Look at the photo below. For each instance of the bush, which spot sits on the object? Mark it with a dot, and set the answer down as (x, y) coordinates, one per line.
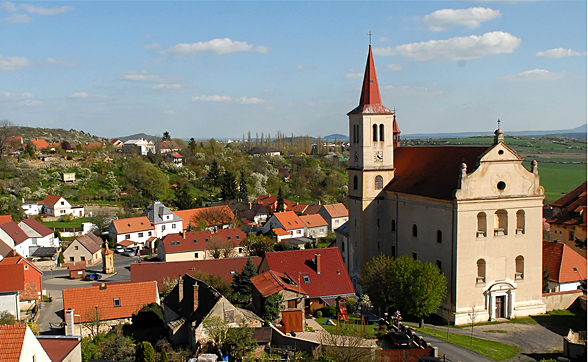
(328, 311)
(318, 314)
(351, 305)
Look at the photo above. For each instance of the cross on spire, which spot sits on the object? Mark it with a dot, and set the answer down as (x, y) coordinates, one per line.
(498, 124)
(370, 34)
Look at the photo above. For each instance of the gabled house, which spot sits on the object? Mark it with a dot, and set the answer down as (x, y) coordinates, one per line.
(109, 302)
(54, 205)
(175, 158)
(40, 144)
(334, 214)
(39, 234)
(212, 217)
(264, 151)
(163, 219)
(32, 207)
(199, 245)
(139, 146)
(190, 302)
(13, 238)
(85, 248)
(62, 348)
(19, 344)
(11, 285)
(568, 224)
(316, 226)
(33, 281)
(117, 143)
(136, 229)
(566, 268)
(286, 220)
(320, 272)
(168, 146)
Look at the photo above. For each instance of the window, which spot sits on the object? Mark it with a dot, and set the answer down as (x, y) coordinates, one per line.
(393, 251)
(173, 226)
(240, 250)
(439, 238)
(571, 235)
(500, 223)
(306, 279)
(342, 246)
(76, 247)
(355, 182)
(337, 221)
(481, 230)
(162, 227)
(140, 235)
(62, 203)
(228, 238)
(439, 264)
(128, 236)
(481, 277)
(195, 255)
(195, 241)
(393, 225)
(414, 256)
(206, 239)
(520, 222)
(520, 267)
(178, 242)
(375, 132)
(379, 182)
(83, 258)
(378, 222)
(381, 132)
(27, 267)
(414, 231)
(71, 258)
(149, 233)
(117, 302)
(237, 237)
(167, 217)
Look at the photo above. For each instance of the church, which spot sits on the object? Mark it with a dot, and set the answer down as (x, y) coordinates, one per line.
(475, 212)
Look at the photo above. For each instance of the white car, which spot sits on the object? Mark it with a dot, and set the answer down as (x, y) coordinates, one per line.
(119, 249)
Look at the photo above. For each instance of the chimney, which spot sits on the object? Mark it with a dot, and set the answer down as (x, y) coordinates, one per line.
(195, 296)
(180, 289)
(69, 322)
(317, 261)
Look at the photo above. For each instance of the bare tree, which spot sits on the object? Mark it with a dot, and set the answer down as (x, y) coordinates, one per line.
(92, 321)
(6, 131)
(348, 345)
(213, 216)
(473, 315)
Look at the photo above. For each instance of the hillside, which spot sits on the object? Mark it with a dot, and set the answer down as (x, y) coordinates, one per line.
(54, 134)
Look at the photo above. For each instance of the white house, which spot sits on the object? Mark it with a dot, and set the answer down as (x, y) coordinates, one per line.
(54, 205)
(32, 208)
(163, 219)
(22, 344)
(139, 146)
(13, 238)
(288, 221)
(137, 229)
(39, 234)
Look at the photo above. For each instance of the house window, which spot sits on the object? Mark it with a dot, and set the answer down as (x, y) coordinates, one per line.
(306, 279)
(393, 251)
(149, 233)
(520, 222)
(62, 203)
(379, 182)
(26, 267)
(414, 231)
(76, 247)
(439, 238)
(83, 258)
(173, 226)
(167, 217)
(195, 255)
(414, 256)
(140, 235)
(481, 277)
(520, 267)
(237, 237)
(240, 250)
(393, 225)
(162, 227)
(71, 258)
(571, 235)
(206, 239)
(355, 182)
(173, 243)
(375, 132)
(381, 132)
(117, 302)
(128, 236)
(178, 242)
(500, 223)
(195, 241)
(481, 230)
(439, 264)
(228, 238)
(342, 246)
(378, 222)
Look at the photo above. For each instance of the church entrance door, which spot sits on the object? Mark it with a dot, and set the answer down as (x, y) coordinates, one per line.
(500, 304)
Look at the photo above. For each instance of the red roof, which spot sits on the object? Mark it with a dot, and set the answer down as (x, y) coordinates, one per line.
(38, 227)
(13, 257)
(131, 298)
(51, 200)
(370, 101)
(16, 233)
(573, 208)
(39, 143)
(289, 220)
(564, 264)
(5, 218)
(58, 347)
(313, 220)
(271, 282)
(160, 271)
(176, 155)
(199, 240)
(281, 232)
(214, 215)
(336, 210)
(91, 242)
(12, 338)
(333, 279)
(11, 278)
(132, 225)
(431, 171)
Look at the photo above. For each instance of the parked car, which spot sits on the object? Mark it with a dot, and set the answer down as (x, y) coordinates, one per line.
(399, 340)
(119, 249)
(92, 276)
(130, 252)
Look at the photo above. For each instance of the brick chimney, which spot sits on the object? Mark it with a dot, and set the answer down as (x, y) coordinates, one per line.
(317, 261)
(180, 289)
(195, 296)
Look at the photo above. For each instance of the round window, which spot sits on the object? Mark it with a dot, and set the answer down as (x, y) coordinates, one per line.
(501, 185)
(501, 152)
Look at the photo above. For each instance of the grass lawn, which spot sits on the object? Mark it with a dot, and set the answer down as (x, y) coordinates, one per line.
(560, 178)
(495, 350)
(354, 323)
(75, 223)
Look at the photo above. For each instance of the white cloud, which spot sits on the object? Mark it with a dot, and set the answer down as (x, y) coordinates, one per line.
(217, 98)
(164, 86)
(30, 103)
(531, 75)
(393, 68)
(456, 49)
(8, 64)
(53, 61)
(215, 46)
(15, 96)
(41, 10)
(87, 96)
(8, 6)
(252, 100)
(351, 74)
(559, 53)
(444, 19)
(16, 19)
(145, 76)
(152, 46)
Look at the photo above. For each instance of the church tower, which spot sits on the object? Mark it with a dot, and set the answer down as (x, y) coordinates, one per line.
(373, 134)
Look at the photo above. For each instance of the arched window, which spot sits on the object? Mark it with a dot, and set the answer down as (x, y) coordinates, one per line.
(379, 182)
(375, 132)
(355, 182)
(342, 246)
(393, 228)
(520, 222)
(520, 267)
(481, 230)
(414, 230)
(439, 237)
(500, 223)
(381, 132)
(481, 277)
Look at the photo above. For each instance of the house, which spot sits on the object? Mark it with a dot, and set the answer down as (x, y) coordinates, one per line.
(175, 158)
(19, 344)
(162, 271)
(163, 219)
(264, 151)
(218, 217)
(32, 208)
(192, 300)
(288, 221)
(136, 229)
(475, 212)
(33, 281)
(334, 214)
(140, 147)
(342, 242)
(199, 245)
(316, 226)
(62, 348)
(281, 234)
(54, 205)
(85, 248)
(11, 285)
(320, 272)
(291, 298)
(40, 144)
(68, 177)
(117, 143)
(111, 303)
(12, 237)
(568, 224)
(566, 268)
(39, 234)
(299, 242)
(169, 146)
(5, 218)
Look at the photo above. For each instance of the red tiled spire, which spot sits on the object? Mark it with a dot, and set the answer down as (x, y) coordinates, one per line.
(370, 101)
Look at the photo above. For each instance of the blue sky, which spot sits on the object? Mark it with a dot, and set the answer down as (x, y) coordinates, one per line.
(221, 69)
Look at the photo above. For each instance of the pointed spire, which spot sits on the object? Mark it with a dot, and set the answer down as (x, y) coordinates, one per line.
(370, 101)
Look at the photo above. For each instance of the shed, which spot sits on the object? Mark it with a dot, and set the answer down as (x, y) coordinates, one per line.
(77, 270)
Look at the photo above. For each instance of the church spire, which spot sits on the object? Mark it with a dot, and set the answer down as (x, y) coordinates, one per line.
(370, 101)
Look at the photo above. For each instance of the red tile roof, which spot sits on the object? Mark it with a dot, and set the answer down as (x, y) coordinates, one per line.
(214, 215)
(289, 220)
(232, 234)
(5, 218)
(573, 208)
(336, 210)
(564, 264)
(11, 342)
(313, 209)
(38, 227)
(271, 282)
(11, 278)
(332, 280)
(91, 242)
(132, 225)
(281, 232)
(132, 297)
(370, 101)
(297, 208)
(51, 200)
(176, 155)
(160, 271)
(16, 233)
(58, 347)
(431, 171)
(13, 257)
(199, 240)
(39, 143)
(312, 221)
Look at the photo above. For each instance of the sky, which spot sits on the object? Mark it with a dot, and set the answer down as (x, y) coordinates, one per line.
(218, 69)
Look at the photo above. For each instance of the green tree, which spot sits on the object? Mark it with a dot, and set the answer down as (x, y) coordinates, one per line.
(243, 191)
(215, 281)
(60, 258)
(10, 205)
(184, 199)
(228, 186)
(6, 318)
(545, 278)
(216, 328)
(282, 246)
(241, 284)
(164, 357)
(144, 352)
(271, 308)
(258, 245)
(280, 201)
(192, 145)
(239, 342)
(166, 136)
(117, 348)
(213, 176)
(149, 180)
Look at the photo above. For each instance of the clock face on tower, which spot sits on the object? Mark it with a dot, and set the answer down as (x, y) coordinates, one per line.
(378, 156)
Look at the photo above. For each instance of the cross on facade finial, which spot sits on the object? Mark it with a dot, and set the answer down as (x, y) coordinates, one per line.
(498, 124)
(370, 34)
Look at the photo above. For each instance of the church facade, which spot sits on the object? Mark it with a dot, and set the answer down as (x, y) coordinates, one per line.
(475, 212)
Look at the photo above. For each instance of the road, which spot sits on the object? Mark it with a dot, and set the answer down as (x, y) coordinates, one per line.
(54, 281)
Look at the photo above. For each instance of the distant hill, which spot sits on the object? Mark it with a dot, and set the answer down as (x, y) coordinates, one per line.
(338, 136)
(577, 133)
(54, 134)
(140, 135)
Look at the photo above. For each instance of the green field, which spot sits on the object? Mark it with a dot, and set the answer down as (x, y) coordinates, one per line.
(560, 178)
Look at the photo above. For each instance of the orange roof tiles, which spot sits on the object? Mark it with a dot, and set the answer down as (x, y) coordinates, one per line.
(564, 264)
(131, 298)
(271, 282)
(11, 278)
(289, 220)
(132, 224)
(313, 220)
(39, 143)
(214, 215)
(51, 200)
(336, 210)
(12, 337)
(281, 232)
(199, 240)
(5, 218)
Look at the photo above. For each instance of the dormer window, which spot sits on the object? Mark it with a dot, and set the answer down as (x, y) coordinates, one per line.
(306, 279)
(195, 241)
(229, 238)
(117, 302)
(173, 243)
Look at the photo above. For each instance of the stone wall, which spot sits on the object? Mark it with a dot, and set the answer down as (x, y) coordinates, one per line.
(560, 300)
